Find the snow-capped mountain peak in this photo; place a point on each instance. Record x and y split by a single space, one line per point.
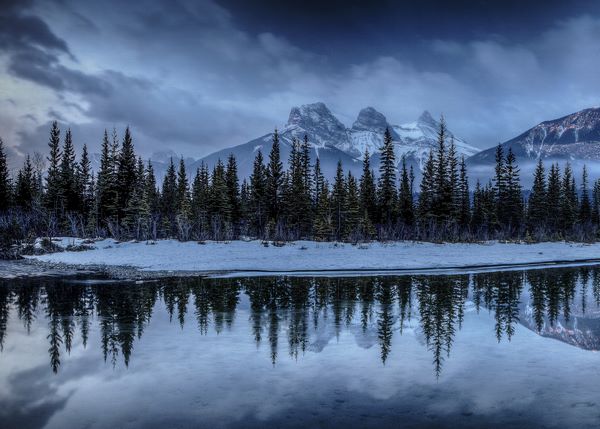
317 122
370 119
427 120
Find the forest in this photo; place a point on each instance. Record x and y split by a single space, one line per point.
61 195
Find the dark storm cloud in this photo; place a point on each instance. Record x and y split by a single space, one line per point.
199 76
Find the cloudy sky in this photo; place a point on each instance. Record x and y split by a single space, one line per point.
197 76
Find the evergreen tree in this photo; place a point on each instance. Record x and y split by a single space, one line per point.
151 193
169 198
84 183
219 207
274 180
5 184
338 202
368 190
442 191
585 207
453 194
24 187
258 194
200 199
405 197
387 180
596 203
182 188
427 195
105 184
126 173
553 198
352 208
569 204
537 208
233 189
68 180
464 216
512 208
52 196
500 187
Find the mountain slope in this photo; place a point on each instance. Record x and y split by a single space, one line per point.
573 137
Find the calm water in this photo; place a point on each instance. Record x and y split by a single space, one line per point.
508 349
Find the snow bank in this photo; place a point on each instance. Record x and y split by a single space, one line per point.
171 255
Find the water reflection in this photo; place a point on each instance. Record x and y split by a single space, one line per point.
289 313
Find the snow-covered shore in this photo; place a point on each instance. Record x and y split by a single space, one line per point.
242 256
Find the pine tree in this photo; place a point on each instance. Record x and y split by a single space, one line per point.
150 191
52 195
200 200
68 181
405 197
452 191
553 198
24 187
338 202
233 189
126 173
5 184
323 217
274 180
442 206
84 183
569 204
427 194
182 188
387 180
368 190
537 209
513 194
500 187
218 201
169 198
464 216
258 193
585 207
351 227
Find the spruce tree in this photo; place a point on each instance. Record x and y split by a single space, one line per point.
368 191
258 194
24 187
387 180
585 207
169 199
182 188
464 216
442 206
218 201
200 200
233 189
569 206
500 187
351 226
427 194
126 173
274 180
513 194
84 183
338 202
5 184
553 198
68 181
537 208
52 195
405 197
596 203
151 193
453 194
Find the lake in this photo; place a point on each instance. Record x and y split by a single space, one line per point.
499 349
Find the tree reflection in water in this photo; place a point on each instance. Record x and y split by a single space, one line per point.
545 301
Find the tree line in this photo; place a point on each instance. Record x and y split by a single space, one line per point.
61 195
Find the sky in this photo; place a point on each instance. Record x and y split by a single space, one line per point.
198 76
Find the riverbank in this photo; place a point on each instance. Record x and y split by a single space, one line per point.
170 257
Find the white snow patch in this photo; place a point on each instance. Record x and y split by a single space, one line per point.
171 255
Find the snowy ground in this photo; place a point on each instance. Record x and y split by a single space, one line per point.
241 256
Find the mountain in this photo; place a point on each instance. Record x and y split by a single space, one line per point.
323 129
331 140
574 137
